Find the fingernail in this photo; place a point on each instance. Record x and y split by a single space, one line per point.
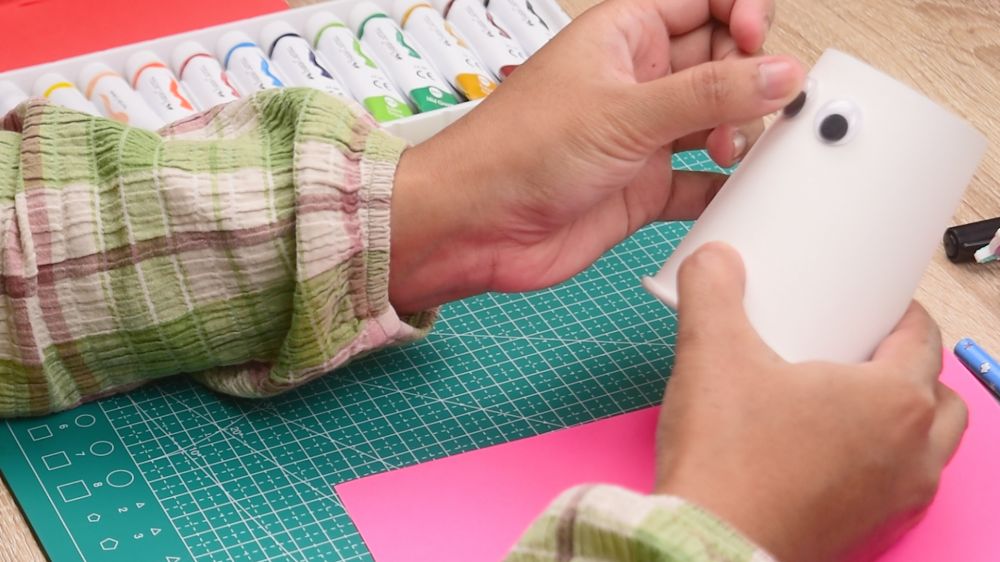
776 78
739 145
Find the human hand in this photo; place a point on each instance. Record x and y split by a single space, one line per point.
572 153
813 461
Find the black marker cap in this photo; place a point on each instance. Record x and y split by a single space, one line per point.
961 242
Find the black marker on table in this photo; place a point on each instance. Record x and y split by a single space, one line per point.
961 242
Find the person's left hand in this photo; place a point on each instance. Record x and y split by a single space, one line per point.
572 153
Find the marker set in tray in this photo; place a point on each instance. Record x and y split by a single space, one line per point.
414 66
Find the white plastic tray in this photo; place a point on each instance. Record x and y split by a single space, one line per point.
413 129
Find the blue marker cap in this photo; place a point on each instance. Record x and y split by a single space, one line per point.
980 363
230 42
275 31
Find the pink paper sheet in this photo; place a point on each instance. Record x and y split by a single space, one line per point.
961 523
474 506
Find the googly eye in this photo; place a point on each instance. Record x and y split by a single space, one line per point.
838 121
794 108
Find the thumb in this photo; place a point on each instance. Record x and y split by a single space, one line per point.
710 287
715 93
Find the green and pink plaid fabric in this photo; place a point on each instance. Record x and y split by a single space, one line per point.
600 523
248 247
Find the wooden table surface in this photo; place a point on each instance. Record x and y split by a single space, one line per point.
948 49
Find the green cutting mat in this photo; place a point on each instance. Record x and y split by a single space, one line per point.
173 473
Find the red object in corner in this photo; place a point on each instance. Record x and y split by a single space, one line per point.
38 31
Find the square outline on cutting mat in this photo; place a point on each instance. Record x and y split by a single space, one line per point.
50 467
62 492
31 432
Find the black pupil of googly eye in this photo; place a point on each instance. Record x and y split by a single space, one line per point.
833 128
793 109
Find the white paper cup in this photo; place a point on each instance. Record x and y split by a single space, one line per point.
835 235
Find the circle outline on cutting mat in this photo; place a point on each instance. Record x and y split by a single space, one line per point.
128 474
111 448
91 420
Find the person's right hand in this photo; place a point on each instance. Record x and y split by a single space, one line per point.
813 461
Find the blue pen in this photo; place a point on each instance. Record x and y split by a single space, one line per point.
984 367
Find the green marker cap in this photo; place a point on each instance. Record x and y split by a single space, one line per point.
319 23
362 14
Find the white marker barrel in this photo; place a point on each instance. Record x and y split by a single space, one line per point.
451 54
158 86
202 75
291 54
245 63
367 82
407 66
115 99
10 96
61 91
489 38
527 27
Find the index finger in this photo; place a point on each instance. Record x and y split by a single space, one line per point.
747 19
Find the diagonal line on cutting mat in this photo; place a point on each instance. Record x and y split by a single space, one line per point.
230 437
556 296
478 405
395 386
437 397
438 333
550 367
485 331
328 437
206 470
342 407
198 442
485 410
330 496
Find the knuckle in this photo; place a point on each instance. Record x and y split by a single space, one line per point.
954 404
703 266
711 86
710 268
916 405
933 336
926 488
962 411
709 258
629 122
693 264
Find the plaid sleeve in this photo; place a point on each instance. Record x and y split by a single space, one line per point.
601 523
248 246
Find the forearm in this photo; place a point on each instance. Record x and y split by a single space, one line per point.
249 246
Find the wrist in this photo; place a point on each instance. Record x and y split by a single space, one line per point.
433 259
750 513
